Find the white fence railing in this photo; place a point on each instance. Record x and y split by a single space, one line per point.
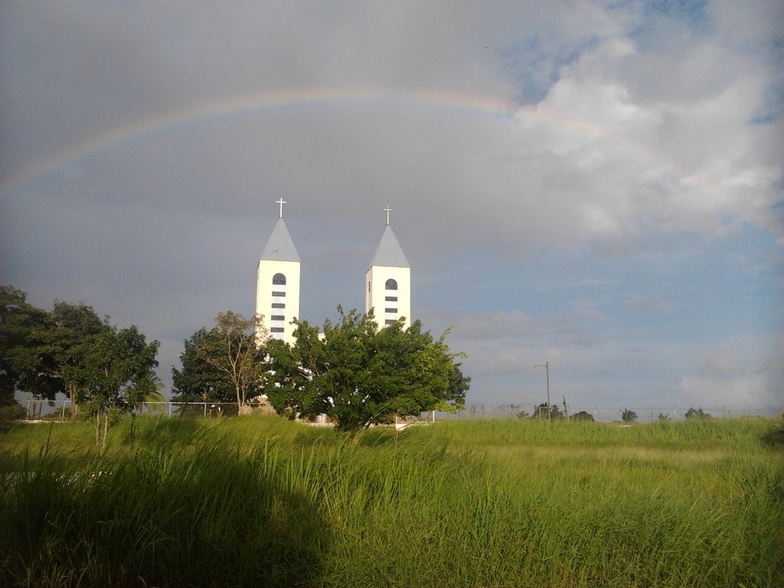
63 410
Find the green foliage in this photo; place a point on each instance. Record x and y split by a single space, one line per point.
541 412
696 413
628 416
75 330
158 515
226 363
10 413
663 417
106 371
117 371
504 502
25 361
361 375
774 436
199 380
582 416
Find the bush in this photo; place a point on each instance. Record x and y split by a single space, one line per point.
12 412
775 436
696 413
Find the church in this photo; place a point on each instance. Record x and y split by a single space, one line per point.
387 281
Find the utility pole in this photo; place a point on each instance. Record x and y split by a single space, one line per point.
546 366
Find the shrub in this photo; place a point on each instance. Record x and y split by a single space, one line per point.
696 413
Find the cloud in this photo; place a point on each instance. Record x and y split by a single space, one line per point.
727 380
532 152
646 303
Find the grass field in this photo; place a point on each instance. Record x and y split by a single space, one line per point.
260 501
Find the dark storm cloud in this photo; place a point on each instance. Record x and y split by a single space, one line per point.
640 134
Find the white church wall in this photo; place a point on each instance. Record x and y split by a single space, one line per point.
376 293
287 295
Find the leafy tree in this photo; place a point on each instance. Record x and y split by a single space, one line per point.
118 374
226 361
199 380
696 413
663 417
628 416
582 416
73 351
361 375
76 329
541 412
25 364
118 370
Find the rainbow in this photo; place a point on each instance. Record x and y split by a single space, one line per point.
461 104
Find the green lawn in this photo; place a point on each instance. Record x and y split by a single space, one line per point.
260 501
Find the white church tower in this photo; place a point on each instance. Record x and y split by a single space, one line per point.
388 280
277 282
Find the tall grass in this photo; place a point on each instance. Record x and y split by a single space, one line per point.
266 502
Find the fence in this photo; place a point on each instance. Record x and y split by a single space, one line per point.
602 413
63 410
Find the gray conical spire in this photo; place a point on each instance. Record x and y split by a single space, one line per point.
280 247
389 253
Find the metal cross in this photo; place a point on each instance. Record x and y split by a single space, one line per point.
281 202
387 210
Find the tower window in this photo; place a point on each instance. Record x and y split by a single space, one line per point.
278 317
278 305
279 294
279 279
390 310
390 298
391 284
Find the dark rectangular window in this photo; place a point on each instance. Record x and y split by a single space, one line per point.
276 330
278 305
279 294
389 322
390 298
278 317
390 310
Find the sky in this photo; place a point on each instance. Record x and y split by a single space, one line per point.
592 184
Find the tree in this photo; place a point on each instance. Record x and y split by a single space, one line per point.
663 417
582 416
118 374
628 416
228 357
361 375
540 412
696 413
118 370
71 350
199 380
25 364
75 330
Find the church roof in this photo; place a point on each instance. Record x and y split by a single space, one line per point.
389 253
280 247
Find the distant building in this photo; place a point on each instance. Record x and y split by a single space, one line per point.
387 281
277 282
